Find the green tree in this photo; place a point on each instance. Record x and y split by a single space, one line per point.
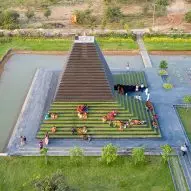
162 2
54 182
43 152
109 153
187 100
166 151
163 64
76 155
138 156
9 19
47 13
112 14
187 17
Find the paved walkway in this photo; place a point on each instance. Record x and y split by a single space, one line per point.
143 51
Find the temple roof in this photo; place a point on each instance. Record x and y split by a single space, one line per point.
87 76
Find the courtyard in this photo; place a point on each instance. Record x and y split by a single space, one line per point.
43 71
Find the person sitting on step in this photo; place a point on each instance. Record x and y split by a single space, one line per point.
53 129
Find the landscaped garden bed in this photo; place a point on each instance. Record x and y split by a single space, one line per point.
184 115
167 42
61 44
18 173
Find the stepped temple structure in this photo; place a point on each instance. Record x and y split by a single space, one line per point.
87 81
86 76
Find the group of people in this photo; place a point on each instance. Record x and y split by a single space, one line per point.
128 124
82 111
83 131
51 116
124 89
45 141
110 116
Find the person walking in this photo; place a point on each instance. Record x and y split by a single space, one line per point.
146 91
22 142
148 96
184 149
127 67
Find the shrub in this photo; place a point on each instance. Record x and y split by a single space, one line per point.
55 182
109 154
167 86
187 100
138 156
85 17
29 14
76 155
9 19
47 13
187 17
163 72
4 40
112 14
163 64
166 150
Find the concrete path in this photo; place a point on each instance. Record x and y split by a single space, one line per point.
186 165
143 52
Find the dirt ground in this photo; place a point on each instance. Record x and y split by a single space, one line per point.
62 14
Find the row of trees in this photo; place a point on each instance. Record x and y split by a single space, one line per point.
109 154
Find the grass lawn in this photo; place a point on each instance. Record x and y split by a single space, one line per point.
186 119
41 44
168 45
18 172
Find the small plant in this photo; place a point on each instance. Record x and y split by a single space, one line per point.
163 64
138 156
187 17
29 14
166 151
187 100
109 154
163 72
76 155
43 152
55 182
47 13
167 86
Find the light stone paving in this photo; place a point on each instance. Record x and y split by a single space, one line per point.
39 97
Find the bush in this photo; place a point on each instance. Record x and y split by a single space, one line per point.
167 86
138 156
109 154
112 14
187 17
9 20
163 64
85 17
47 13
54 182
163 72
166 150
4 40
29 14
76 155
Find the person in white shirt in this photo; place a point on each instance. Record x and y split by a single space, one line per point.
146 91
148 96
184 149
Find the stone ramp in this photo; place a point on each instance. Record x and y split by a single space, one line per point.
143 51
